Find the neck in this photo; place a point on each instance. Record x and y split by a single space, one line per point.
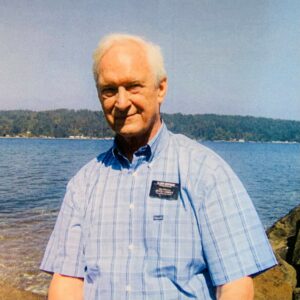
129 145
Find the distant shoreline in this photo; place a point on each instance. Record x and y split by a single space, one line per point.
56 138
111 138
85 124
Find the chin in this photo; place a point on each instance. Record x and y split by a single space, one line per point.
129 134
128 131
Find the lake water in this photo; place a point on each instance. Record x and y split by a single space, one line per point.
34 174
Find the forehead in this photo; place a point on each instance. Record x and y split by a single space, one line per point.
122 61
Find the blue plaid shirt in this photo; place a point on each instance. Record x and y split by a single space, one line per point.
172 224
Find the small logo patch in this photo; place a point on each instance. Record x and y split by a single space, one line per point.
158 218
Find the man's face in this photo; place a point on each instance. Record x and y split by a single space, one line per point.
128 92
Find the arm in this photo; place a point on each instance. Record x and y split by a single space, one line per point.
240 289
65 288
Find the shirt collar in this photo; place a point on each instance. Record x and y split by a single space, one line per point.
151 150
159 141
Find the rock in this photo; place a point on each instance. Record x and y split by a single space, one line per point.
8 292
296 252
296 294
277 283
280 282
283 234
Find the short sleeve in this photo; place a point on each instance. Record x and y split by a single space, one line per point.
233 239
64 252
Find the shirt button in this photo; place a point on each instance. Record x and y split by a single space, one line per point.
128 288
131 205
130 247
134 174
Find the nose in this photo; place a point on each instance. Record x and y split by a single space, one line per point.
122 101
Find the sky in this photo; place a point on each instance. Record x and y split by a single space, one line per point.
233 57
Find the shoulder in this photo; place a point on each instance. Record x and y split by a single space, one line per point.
201 166
182 142
90 169
81 184
197 152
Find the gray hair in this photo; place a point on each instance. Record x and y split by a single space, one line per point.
155 58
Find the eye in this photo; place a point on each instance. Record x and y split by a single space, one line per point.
134 88
108 92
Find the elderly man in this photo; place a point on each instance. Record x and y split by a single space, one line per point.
157 216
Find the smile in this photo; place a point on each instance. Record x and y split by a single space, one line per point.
123 118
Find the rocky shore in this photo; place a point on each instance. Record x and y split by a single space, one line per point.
10 293
283 281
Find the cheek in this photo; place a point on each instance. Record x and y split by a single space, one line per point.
107 106
144 103
110 120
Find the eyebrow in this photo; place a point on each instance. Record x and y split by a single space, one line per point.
126 84
107 86
133 83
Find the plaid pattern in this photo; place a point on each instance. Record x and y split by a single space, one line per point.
128 245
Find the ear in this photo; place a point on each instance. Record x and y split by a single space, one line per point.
162 90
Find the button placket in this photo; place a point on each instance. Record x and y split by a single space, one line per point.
128 288
130 247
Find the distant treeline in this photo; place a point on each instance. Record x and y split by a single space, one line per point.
65 123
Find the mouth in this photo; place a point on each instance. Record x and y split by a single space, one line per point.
124 118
